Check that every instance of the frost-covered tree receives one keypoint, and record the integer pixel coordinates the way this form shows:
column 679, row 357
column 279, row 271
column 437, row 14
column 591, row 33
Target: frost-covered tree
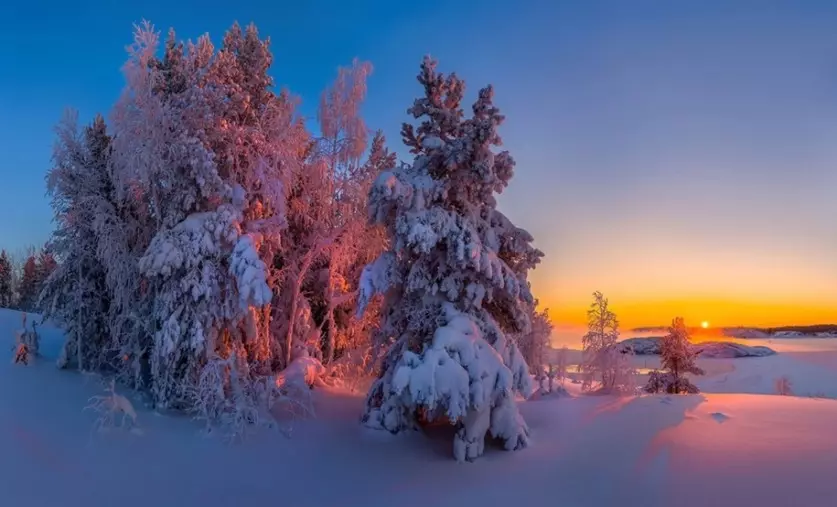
column 6, row 294
column 602, row 360
column 343, row 141
column 678, row 358
column 208, row 277
column 75, row 294
column 599, row 342
column 535, row 344
column 454, row 276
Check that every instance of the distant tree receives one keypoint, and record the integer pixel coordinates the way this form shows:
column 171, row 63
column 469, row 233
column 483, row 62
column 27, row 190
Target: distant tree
column 46, row 264
column 561, row 363
column 30, row 286
column 784, row 386
column 601, row 358
column 535, row 344
column 678, row 358
column 6, row 294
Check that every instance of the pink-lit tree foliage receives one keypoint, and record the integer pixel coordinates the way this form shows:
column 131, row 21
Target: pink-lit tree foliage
column 210, row 247
column 206, row 238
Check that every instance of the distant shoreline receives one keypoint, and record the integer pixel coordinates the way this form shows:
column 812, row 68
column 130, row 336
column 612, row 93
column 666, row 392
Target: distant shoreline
column 734, row 330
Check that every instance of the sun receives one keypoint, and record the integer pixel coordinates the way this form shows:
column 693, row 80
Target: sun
column 704, row 324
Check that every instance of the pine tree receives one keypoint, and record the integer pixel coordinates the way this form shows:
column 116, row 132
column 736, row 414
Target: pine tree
column 6, row 294
column 454, row 276
column 29, row 286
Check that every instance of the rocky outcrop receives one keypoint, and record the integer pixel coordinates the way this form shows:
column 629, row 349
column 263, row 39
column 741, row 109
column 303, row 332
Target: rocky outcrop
column 651, row 346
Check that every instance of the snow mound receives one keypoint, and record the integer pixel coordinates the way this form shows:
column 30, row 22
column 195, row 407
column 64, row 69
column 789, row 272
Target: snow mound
column 720, row 417
column 464, row 377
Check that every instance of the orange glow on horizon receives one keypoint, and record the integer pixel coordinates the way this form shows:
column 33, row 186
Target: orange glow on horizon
column 722, row 312
column 649, row 280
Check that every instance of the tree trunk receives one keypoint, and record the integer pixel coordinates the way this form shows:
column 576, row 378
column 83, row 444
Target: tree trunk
column 328, row 357
column 80, row 319
column 303, row 269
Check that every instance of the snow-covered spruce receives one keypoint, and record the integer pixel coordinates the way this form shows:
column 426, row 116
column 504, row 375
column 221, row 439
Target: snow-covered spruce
column 454, row 278
column 194, row 304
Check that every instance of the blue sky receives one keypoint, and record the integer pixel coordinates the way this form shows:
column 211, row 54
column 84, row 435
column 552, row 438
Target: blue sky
column 665, row 149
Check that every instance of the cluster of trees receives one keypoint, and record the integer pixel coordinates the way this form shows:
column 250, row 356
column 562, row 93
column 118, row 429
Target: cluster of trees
column 606, row 367
column 21, row 279
column 206, row 240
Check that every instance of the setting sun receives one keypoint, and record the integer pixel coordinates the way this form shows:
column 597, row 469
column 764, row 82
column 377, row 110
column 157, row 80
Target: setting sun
column 704, row 324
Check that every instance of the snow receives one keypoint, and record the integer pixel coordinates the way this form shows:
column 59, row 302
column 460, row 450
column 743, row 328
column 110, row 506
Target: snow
column 737, row 449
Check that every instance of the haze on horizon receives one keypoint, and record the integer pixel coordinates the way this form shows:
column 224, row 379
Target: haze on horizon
column 679, row 157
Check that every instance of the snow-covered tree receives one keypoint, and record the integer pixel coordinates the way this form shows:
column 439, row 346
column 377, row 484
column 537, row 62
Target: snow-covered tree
column 6, row 294
column 598, row 343
column 678, row 358
column 454, row 276
column 209, row 279
column 75, row 294
column 602, row 360
column 535, row 344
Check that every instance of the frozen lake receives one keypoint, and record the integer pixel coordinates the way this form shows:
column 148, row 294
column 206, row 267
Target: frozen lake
column 570, row 336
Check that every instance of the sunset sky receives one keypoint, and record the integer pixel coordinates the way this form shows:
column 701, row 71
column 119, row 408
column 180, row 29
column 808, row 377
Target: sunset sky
column 681, row 157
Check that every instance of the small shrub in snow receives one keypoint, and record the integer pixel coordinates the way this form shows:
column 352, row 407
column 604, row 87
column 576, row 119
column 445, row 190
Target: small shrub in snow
column 230, row 400
column 668, row 383
column 114, row 410
column 783, row 386
column 27, row 343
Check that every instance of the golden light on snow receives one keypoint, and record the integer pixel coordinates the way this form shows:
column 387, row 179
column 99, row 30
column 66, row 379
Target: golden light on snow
column 704, row 324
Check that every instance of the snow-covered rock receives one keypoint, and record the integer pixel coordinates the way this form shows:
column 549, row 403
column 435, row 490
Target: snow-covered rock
column 651, row 346
column 787, row 334
column 744, row 332
column 730, row 350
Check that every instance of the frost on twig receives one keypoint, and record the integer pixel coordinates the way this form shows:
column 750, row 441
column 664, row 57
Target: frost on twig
column 114, row 411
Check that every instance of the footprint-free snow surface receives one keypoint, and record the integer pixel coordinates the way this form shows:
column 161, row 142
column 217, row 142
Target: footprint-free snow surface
column 586, row 451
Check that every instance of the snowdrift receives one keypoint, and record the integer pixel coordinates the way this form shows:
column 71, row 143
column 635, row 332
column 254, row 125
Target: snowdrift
column 724, row 450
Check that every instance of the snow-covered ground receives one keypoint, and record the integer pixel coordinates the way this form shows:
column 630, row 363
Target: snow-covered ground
column 721, row 448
